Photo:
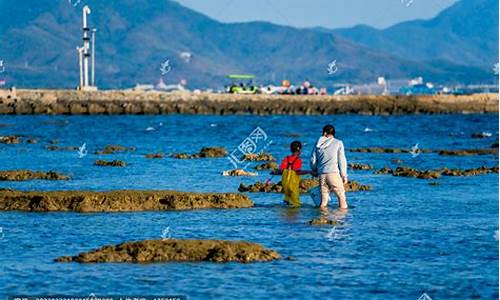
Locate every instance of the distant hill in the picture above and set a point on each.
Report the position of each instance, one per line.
(38, 42)
(464, 34)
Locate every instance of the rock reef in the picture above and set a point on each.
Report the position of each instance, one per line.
(358, 166)
(11, 139)
(263, 156)
(23, 175)
(207, 152)
(469, 152)
(238, 172)
(305, 186)
(61, 148)
(271, 165)
(113, 163)
(159, 251)
(322, 222)
(117, 201)
(155, 156)
(434, 174)
(111, 149)
(112, 102)
(455, 152)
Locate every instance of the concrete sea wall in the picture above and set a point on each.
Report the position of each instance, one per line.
(136, 102)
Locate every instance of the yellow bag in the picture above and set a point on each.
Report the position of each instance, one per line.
(291, 181)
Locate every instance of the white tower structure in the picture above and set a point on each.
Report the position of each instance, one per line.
(84, 54)
(93, 56)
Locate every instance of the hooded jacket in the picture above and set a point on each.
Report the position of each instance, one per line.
(328, 157)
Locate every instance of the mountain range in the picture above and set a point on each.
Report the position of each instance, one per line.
(38, 41)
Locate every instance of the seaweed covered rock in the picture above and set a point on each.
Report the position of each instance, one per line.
(207, 152)
(155, 156)
(459, 152)
(270, 165)
(481, 135)
(23, 175)
(238, 172)
(158, 251)
(354, 186)
(384, 170)
(54, 147)
(114, 163)
(11, 139)
(305, 186)
(410, 172)
(469, 172)
(386, 150)
(358, 166)
(111, 149)
(434, 174)
(263, 156)
(469, 152)
(118, 201)
(211, 152)
(323, 221)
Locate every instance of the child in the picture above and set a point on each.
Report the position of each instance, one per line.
(290, 169)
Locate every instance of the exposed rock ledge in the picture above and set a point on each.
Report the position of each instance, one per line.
(22, 175)
(117, 201)
(157, 251)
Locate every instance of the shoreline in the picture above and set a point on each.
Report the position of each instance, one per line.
(117, 102)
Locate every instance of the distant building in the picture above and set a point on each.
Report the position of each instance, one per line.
(418, 89)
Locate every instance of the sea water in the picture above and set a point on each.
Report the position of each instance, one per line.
(400, 240)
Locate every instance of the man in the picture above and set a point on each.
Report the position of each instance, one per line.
(329, 163)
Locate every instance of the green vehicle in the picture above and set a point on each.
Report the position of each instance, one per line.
(242, 84)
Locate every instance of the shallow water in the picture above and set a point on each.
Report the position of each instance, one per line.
(403, 238)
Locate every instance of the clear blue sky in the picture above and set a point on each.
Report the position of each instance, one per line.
(326, 13)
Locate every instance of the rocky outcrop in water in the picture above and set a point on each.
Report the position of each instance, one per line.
(23, 175)
(305, 186)
(458, 152)
(11, 139)
(434, 174)
(111, 149)
(238, 172)
(322, 222)
(387, 150)
(481, 135)
(61, 148)
(114, 163)
(469, 172)
(158, 251)
(135, 102)
(271, 165)
(263, 156)
(207, 152)
(469, 152)
(155, 156)
(117, 201)
(358, 166)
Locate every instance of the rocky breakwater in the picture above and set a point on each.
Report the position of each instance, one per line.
(138, 102)
(117, 201)
(157, 251)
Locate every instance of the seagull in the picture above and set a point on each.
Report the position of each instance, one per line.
(165, 67)
(166, 234)
(82, 151)
(415, 151)
(332, 67)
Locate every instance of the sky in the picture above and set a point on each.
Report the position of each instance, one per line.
(324, 13)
